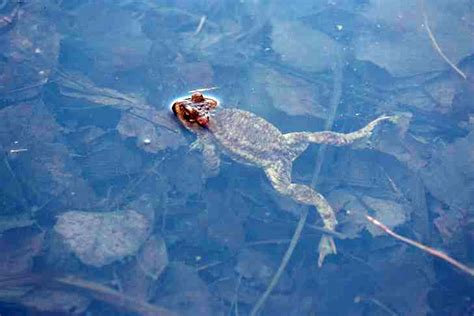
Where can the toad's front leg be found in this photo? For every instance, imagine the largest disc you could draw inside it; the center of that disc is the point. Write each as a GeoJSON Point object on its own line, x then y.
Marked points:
{"type": "Point", "coordinates": [279, 174]}
{"type": "Point", "coordinates": [212, 160]}
{"type": "Point", "coordinates": [211, 156]}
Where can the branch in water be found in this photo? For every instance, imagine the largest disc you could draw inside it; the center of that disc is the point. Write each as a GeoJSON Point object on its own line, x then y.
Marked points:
{"type": "Point", "coordinates": [437, 48]}
{"type": "Point", "coordinates": [96, 290]}
{"type": "Point", "coordinates": [418, 245]}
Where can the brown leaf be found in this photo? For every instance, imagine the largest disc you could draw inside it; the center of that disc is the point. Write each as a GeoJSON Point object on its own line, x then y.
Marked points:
{"type": "Point", "coordinates": [302, 47]}
{"type": "Point", "coordinates": [18, 247]}
{"type": "Point", "coordinates": [150, 137]}
{"type": "Point", "coordinates": [153, 257]}
{"type": "Point", "coordinates": [139, 275]}
{"type": "Point", "coordinates": [30, 50]}
{"type": "Point", "coordinates": [293, 95]}
{"type": "Point", "coordinates": [399, 41]}
{"type": "Point", "coordinates": [45, 167]}
{"type": "Point", "coordinates": [184, 291]}
{"type": "Point", "coordinates": [47, 300]}
{"type": "Point", "coordinates": [98, 239]}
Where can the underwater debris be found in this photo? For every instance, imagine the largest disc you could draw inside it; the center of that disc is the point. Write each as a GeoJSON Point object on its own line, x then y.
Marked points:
{"type": "Point", "coordinates": [115, 47]}
{"type": "Point", "coordinates": [98, 239]}
{"type": "Point", "coordinates": [224, 226]}
{"type": "Point", "coordinates": [281, 268]}
{"type": "Point", "coordinates": [204, 89]}
{"type": "Point", "coordinates": [397, 41]}
{"type": "Point", "coordinates": [303, 47]}
{"type": "Point", "coordinates": [113, 297]}
{"type": "Point", "coordinates": [354, 208]}
{"type": "Point", "coordinates": [184, 291]}
{"type": "Point", "coordinates": [305, 97]}
{"type": "Point", "coordinates": [138, 119]}
{"type": "Point", "coordinates": [12, 221]}
{"type": "Point", "coordinates": [9, 15]}
{"type": "Point", "coordinates": [46, 174]}
{"type": "Point", "coordinates": [436, 46]}
{"type": "Point", "coordinates": [138, 277]}
{"type": "Point", "coordinates": [429, 250]}
{"type": "Point", "coordinates": [359, 299]}
{"type": "Point", "coordinates": [200, 25]}
{"type": "Point", "coordinates": [30, 51]}
{"type": "Point", "coordinates": [391, 213]}
{"type": "Point", "coordinates": [18, 248]}
{"type": "Point", "coordinates": [52, 285]}
{"type": "Point", "coordinates": [110, 159]}
{"type": "Point", "coordinates": [153, 257]}
{"type": "Point", "coordinates": [57, 301]}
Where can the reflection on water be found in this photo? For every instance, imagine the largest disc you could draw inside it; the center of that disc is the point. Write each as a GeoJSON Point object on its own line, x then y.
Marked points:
{"type": "Point", "coordinates": [107, 205]}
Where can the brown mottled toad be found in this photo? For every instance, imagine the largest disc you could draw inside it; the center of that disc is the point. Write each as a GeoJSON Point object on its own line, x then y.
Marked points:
{"type": "Point", "coordinates": [251, 140]}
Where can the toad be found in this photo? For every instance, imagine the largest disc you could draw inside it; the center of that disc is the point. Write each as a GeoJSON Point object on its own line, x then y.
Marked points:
{"type": "Point", "coordinates": [250, 139]}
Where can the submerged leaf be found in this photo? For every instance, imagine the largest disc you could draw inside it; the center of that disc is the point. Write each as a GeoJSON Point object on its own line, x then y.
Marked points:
{"type": "Point", "coordinates": [293, 95]}
{"type": "Point", "coordinates": [153, 257]}
{"type": "Point", "coordinates": [303, 47]}
{"type": "Point", "coordinates": [18, 247]}
{"type": "Point", "coordinates": [388, 212]}
{"type": "Point", "coordinates": [354, 221]}
{"type": "Point", "coordinates": [46, 300]}
{"type": "Point", "coordinates": [98, 239]}
{"type": "Point", "coordinates": [401, 44]}
{"type": "Point", "coordinates": [149, 137]}
{"type": "Point", "coordinates": [184, 291]}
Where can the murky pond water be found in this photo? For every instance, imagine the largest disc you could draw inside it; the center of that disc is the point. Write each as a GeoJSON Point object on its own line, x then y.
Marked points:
{"type": "Point", "coordinates": [282, 200]}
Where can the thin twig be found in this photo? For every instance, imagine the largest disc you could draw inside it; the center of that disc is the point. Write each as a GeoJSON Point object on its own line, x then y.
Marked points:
{"type": "Point", "coordinates": [268, 242]}
{"type": "Point", "coordinates": [326, 231]}
{"type": "Point", "coordinates": [329, 232]}
{"type": "Point", "coordinates": [96, 290]}
{"type": "Point", "coordinates": [204, 89]}
{"type": "Point", "coordinates": [82, 88]}
{"type": "Point", "coordinates": [294, 241]}
{"type": "Point", "coordinates": [200, 25]}
{"type": "Point", "coordinates": [209, 265]}
{"type": "Point", "coordinates": [333, 105]}
{"type": "Point", "coordinates": [235, 300]}
{"type": "Point", "coordinates": [133, 186]}
{"type": "Point", "coordinates": [436, 46]}
{"type": "Point", "coordinates": [36, 85]}
{"type": "Point", "coordinates": [431, 251]}
{"type": "Point", "coordinates": [111, 296]}
{"type": "Point", "coordinates": [376, 302]}
{"type": "Point", "coordinates": [16, 183]}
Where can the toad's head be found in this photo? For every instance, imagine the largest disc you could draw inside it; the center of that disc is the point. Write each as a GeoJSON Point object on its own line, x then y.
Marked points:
{"type": "Point", "coordinates": [194, 111]}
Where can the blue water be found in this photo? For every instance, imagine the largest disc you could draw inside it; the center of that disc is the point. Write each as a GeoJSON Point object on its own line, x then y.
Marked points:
{"type": "Point", "coordinates": [105, 209]}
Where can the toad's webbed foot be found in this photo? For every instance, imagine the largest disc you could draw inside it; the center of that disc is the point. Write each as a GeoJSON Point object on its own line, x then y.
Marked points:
{"type": "Point", "coordinates": [279, 174]}
{"type": "Point", "coordinates": [326, 247]}
{"type": "Point", "coordinates": [299, 141]}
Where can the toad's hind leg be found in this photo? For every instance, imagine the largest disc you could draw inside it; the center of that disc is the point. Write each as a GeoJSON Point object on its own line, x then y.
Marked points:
{"type": "Point", "coordinates": [279, 174]}
{"type": "Point", "coordinates": [300, 140]}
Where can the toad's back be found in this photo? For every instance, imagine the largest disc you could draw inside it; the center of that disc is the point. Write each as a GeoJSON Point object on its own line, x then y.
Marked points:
{"type": "Point", "coordinates": [247, 137]}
